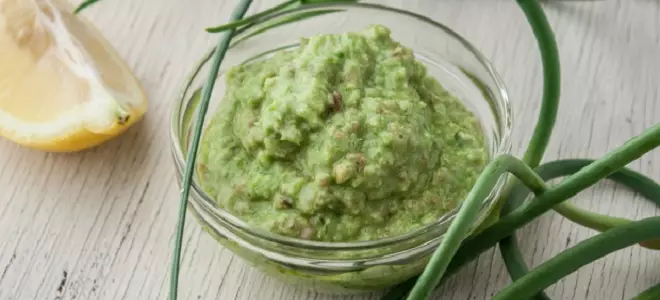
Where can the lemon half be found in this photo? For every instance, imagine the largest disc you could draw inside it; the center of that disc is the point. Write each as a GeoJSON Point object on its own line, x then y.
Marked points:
{"type": "Point", "coordinates": [62, 86]}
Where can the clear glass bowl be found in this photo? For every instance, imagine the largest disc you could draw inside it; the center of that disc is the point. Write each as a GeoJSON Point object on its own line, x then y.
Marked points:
{"type": "Point", "coordinates": [356, 266]}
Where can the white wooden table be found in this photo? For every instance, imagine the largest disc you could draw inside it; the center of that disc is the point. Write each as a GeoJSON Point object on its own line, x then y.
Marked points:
{"type": "Point", "coordinates": [99, 224]}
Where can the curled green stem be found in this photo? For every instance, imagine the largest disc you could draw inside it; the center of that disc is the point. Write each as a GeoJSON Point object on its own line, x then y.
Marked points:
{"type": "Point", "coordinates": [467, 215]}
{"type": "Point", "coordinates": [589, 175]}
{"type": "Point", "coordinates": [547, 116]}
{"type": "Point", "coordinates": [551, 81]}
{"type": "Point", "coordinates": [585, 177]}
{"type": "Point", "coordinates": [582, 254]}
{"type": "Point", "coordinates": [515, 263]}
{"type": "Point", "coordinates": [513, 259]}
{"type": "Point", "coordinates": [633, 180]}
{"type": "Point", "coordinates": [511, 255]}
{"type": "Point", "coordinates": [547, 45]}
{"type": "Point", "coordinates": [598, 221]}
{"type": "Point", "coordinates": [582, 179]}
{"type": "Point", "coordinates": [587, 218]}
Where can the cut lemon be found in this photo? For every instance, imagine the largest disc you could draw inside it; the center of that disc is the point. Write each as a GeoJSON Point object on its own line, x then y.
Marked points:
{"type": "Point", "coordinates": [62, 86]}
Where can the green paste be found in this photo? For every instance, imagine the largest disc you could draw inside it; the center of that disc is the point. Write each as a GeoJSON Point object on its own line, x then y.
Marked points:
{"type": "Point", "coordinates": [345, 138]}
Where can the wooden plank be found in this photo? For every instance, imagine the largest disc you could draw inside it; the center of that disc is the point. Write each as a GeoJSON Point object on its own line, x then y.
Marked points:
{"type": "Point", "coordinates": [99, 224]}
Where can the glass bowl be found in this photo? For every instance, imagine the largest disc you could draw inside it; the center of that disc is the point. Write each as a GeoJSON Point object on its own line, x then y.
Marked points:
{"type": "Point", "coordinates": [346, 267]}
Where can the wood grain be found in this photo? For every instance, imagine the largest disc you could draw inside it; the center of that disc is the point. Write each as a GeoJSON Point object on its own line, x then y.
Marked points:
{"type": "Point", "coordinates": [99, 224]}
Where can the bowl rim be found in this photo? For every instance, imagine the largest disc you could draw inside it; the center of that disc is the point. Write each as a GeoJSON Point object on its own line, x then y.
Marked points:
{"type": "Point", "coordinates": [503, 108]}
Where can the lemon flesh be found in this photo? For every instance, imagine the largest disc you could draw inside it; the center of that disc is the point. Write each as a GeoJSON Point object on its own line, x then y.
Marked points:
{"type": "Point", "coordinates": [62, 86]}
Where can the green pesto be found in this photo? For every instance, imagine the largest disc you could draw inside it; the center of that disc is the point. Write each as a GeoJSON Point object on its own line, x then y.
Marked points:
{"type": "Point", "coordinates": [345, 138]}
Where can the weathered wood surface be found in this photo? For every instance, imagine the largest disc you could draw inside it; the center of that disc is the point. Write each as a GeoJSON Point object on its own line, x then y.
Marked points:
{"type": "Point", "coordinates": [99, 224]}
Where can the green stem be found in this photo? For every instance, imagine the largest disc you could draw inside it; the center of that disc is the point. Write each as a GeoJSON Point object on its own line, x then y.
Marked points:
{"type": "Point", "coordinates": [592, 173]}
{"type": "Point", "coordinates": [467, 215]}
{"type": "Point", "coordinates": [286, 20]}
{"type": "Point", "coordinates": [86, 4]}
{"type": "Point", "coordinates": [560, 168]}
{"type": "Point", "coordinates": [582, 254]}
{"type": "Point", "coordinates": [641, 184]}
{"type": "Point", "coordinates": [602, 222]}
{"type": "Point", "coordinates": [550, 102]}
{"type": "Point", "coordinates": [551, 81]}
{"type": "Point", "coordinates": [513, 259]}
{"type": "Point", "coordinates": [589, 219]}
{"type": "Point", "coordinates": [515, 263]}
{"type": "Point", "coordinates": [276, 9]}
{"type": "Point", "coordinates": [547, 116]}
{"type": "Point", "coordinates": [508, 246]}
{"type": "Point", "coordinates": [207, 91]}
{"type": "Point", "coordinates": [547, 45]}
{"type": "Point", "coordinates": [252, 18]}
{"type": "Point", "coordinates": [582, 179]}
{"type": "Point", "coordinates": [585, 177]}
